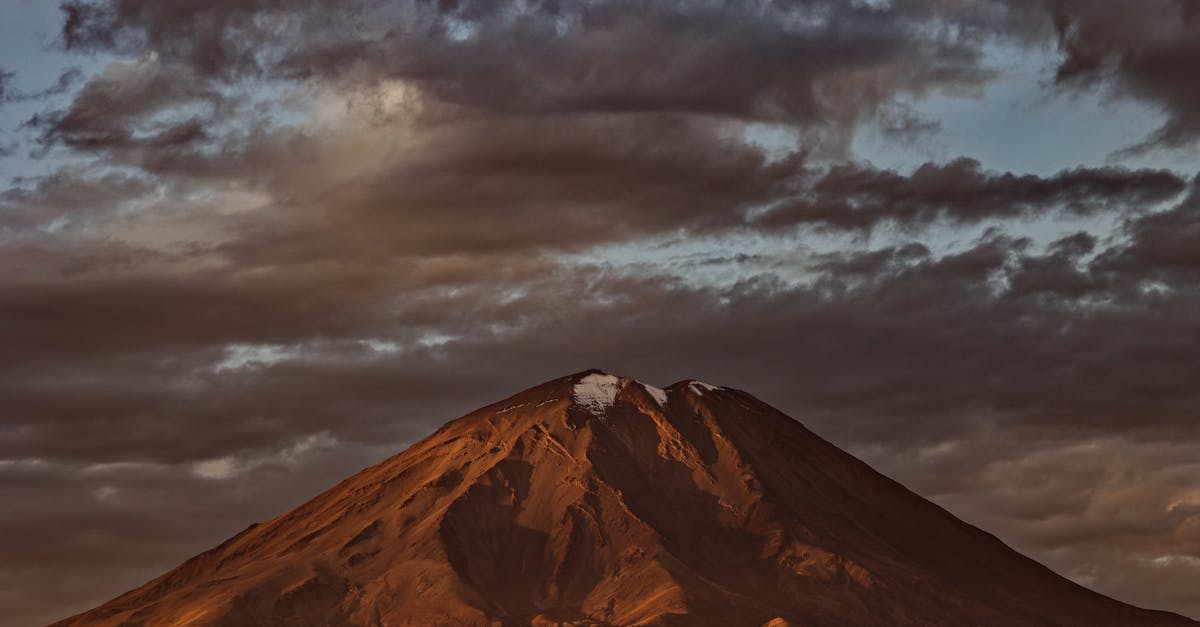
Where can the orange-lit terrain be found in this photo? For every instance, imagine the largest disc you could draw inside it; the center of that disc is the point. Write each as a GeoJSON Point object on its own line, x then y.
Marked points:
{"type": "Point", "coordinates": [597, 500]}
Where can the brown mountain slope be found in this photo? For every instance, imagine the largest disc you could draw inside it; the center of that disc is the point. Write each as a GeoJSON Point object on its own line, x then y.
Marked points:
{"type": "Point", "coordinates": [596, 500]}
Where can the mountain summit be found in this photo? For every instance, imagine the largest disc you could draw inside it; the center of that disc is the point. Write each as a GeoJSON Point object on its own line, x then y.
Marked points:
{"type": "Point", "coordinates": [598, 500]}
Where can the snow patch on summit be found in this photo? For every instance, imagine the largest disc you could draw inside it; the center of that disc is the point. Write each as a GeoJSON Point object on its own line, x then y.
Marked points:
{"type": "Point", "coordinates": [700, 387]}
{"type": "Point", "coordinates": [659, 394]}
{"type": "Point", "coordinates": [596, 392]}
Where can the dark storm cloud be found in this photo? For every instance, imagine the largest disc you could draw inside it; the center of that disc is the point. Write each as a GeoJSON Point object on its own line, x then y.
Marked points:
{"type": "Point", "coordinates": [1055, 328]}
{"type": "Point", "coordinates": [718, 60]}
{"type": "Point", "coordinates": [70, 195]}
{"type": "Point", "coordinates": [852, 196]}
{"type": "Point", "coordinates": [1147, 50]}
{"type": "Point", "coordinates": [562, 182]}
{"type": "Point", "coordinates": [802, 62]}
{"type": "Point", "coordinates": [693, 179]}
{"type": "Point", "coordinates": [554, 183]}
{"type": "Point", "coordinates": [843, 60]}
{"type": "Point", "coordinates": [509, 111]}
{"type": "Point", "coordinates": [1166, 245]}
{"type": "Point", "coordinates": [120, 108]}
{"type": "Point", "coordinates": [519, 184]}
{"type": "Point", "coordinates": [222, 37]}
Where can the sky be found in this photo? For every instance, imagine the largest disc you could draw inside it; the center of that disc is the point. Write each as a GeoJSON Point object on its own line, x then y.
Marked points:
{"type": "Point", "coordinates": [248, 247]}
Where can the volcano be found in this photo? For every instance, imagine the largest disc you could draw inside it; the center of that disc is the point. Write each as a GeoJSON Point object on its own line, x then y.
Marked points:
{"type": "Point", "coordinates": [598, 500]}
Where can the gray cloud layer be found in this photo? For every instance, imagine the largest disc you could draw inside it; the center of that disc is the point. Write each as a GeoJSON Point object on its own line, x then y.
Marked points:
{"type": "Point", "coordinates": [1135, 49]}
{"type": "Point", "coordinates": [289, 234]}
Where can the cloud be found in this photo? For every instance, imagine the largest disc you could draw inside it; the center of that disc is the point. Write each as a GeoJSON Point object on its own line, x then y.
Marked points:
{"type": "Point", "coordinates": [290, 239]}
{"type": "Point", "coordinates": [6, 77]}
{"type": "Point", "coordinates": [1132, 529]}
{"type": "Point", "coordinates": [120, 520]}
{"type": "Point", "coordinates": [66, 80]}
{"type": "Point", "coordinates": [70, 196]}
{"type": "Point", "coordinates": [1164, 245]}
{"type": "Point", "coordinates": [893, 350]}
{"type": "Point", "coordinates": [852, 196]}
{"type": "Point", "coordinates": [122, 107]}
{"type": "Point", "coordinates": [1151, 55]}
{"type": "Point", "coordinates": [706, 57]}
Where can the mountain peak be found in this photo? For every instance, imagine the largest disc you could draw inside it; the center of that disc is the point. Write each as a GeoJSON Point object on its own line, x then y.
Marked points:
{"type": "Point", "coordinates": [596, 391]}
{"type": "Point", "coordinates": [595, 499]}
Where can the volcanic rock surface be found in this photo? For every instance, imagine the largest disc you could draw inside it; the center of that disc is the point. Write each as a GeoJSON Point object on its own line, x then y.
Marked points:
{"type": "Point", "coordinates": [598, 500]}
